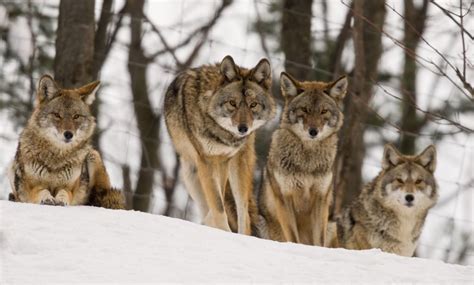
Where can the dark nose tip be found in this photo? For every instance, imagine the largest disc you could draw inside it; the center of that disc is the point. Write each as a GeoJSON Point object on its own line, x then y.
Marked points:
{"type": "Point", "coordinates": [313, 132]}
{"type": "Point", "coordinates": [68, 135]}
{"type": "Point", "coordinates": [242, 128]}
{"type": "Point", "coordinates": [409, 198]}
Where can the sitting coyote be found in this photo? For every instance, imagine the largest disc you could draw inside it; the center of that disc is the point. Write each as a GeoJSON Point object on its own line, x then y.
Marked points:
{"type": "Point", "coordinates": [390, 211]}
{"type": "Point", "coordinates": [54, 162]}
{"type": "Point", "coordinates": [296, 194]}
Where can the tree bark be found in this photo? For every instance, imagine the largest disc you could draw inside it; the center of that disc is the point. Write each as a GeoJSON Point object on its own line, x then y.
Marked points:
{"type": "Point", "coordinates": [414, 26]}
{"type": "Point", "coordinates": [147, 121]}
{"type": "Point", "coordinates": [369, 17]}
{"type": "Point", "coordinates": [75, 43]}
{"type": "Point", "coordinates": [296, 37]}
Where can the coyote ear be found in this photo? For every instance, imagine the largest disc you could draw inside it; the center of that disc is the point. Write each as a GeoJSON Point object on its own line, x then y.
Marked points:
{"type": "Point", "coordinates": [87, 92]}
{"type": "Point", "coordinates": [391, 156]}
{"type": "Point", "coordinates": [427, 158]}
{"type": "Point", "coordinates": [229, 69]}
{"type": "Point", "coordinates": [338, 88]}
{"type": "Point", "coordinates": [288, 85]}
{"type": "Point", "coordinates": [262, 71]}
{"type": "Point", "coordinates": [47, 88]}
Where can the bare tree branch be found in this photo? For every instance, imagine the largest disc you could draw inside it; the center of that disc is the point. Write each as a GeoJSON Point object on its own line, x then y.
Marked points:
{"type": "Point", "coordinates": [447, 13]}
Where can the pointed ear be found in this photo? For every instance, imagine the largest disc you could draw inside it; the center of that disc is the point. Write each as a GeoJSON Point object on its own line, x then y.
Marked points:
{"type": "Point", "coordinates": [427, 158]}
{"type": "Point", "coordinates": [391, 156]}
{"type": "Point", "coordinates": [47, 89]}
{"type": "Point", "coordinates": [262, 71]}
{"type": "Point", "coordinates": [87, 92]}
{"type": "Point", "coordinates": [338, 88]}
{"type": "Point", "coordinates": [229, 69]}
{"type": "Point", "coordinates": [288, 86]}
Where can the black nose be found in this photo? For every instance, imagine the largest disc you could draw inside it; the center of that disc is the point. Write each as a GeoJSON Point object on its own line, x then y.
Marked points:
{"type": "Point", "coordinates": [242, 128]}
{"type": "Point", "coordinates": [68, 135]}
{"type": "Point", "coordinates": [313, 132]}
{"type": "Point", "coordinates": [409, 198]}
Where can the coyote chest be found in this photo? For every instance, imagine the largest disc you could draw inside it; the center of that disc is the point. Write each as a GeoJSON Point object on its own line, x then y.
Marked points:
{"type": "Point", "coordinates": [211, 147]}
{"type": "Point", "coordinates": [403, 235]}
{"type": "Point", "coordinates": [303, 187]}
{"type": "Point", "coordinates": [64, 176]}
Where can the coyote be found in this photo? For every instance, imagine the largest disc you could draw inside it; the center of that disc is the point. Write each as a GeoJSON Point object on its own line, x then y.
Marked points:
{"type": "Point", "coordinates": [390, 211]}
{"type": "Point", "coordinates": [296, 192]}
{"type": "Point", "coordinates": [54, 162]}
{"type": "Point", "coordinates": [211, 113]}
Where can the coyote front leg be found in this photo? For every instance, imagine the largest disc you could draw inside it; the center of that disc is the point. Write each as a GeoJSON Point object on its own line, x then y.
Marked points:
{"type": "Point", "coordinates": [240, 178]}
{"type": "Point", "coordinates": [320, 218]}
{"type": "Point", "coordinates": [287, 221]}
{"type": "Point", "coordinates": [213, 192]}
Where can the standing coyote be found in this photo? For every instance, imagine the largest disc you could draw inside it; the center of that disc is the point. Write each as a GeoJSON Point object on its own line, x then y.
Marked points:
{"type": "Point", "coordinates": [211, 113]}
{"type": "Point", "coordinates": [54, 162]}
{"type": "Point", "coordinates": [296, 192]}
{"type": "Point", "coordinates": [390, 211]}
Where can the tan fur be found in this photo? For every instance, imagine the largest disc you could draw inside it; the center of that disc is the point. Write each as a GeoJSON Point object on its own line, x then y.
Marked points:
{"type": "Point", "coordinates": [206, 109]}
{"type": "Point", "coordinates": [296, 193]}
{"type": "Point", "coordinates": [49, 166]}
{"type": "Point", "coordinates": [381, 217]}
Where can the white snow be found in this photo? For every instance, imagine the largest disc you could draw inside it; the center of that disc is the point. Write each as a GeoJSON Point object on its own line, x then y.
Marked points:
{"type": "Point", "coordinates": [41, 244]}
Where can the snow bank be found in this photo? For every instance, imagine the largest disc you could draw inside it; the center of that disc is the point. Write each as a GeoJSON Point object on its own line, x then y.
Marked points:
{"type": "Point", "coordinates": [82, 244]}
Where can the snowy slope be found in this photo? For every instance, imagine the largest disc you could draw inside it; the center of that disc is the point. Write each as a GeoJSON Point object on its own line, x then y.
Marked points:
{"type": "Point", "coordinates": [83, 244]}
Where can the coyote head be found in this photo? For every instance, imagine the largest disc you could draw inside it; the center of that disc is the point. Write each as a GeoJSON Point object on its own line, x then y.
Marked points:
{"type": "Point", "coordinates": [312, 109]}
{"type": "Point", "coordinates": [63, 116]}
{"type": "Point", "coordinates": [243, 101]}
{"type": "Point", "coordinates": [407, 182]}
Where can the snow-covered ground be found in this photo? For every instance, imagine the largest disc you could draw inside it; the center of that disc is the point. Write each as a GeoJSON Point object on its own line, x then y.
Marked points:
{"type": "Point", "coordinates": [41, 244]}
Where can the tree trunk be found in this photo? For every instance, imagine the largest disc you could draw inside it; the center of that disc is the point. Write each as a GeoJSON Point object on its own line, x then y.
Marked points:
{"type": "Point", "coordinates": [368, 49]}
{"type": "Point", "coordinates": [148, 123]}
{"type": "Point", "coordinates": [296, 37]}
{"type": "Point", "coordinates": [75, 43]}
{"type": "Point", "coordinates": [414, 25]}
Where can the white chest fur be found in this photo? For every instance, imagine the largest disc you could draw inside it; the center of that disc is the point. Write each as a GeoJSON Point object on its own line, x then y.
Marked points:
{"type": "Point", "coordinates": [405, 235]}
{"type": "Point", "coordinates": [211, 148]}
{"type": "Point", "coordinates": [61, 177]}
{"type": "Point", "coordinates": [303, 184]}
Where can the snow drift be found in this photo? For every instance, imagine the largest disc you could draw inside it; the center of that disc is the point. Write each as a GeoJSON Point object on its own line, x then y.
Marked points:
{"type": "Point", "coordinates": [83, 244]}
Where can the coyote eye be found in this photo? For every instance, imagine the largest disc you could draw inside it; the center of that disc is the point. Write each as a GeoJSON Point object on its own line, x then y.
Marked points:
{"type": "Point", "coordinates": [253, 105]}
{"type": "Point", "coordinates": [304, 109]}
{"type": "Point", "coordinates": [57, 116]}
{"type": "Point", "coordinates": [399, 180]}
{"type": "Point", "coordinates": [418, 181]}
{"type": "Point", "coordinates": [232, 103]}
{"type": "Point", "coordinates": [324, 111]}
{"type": "Point", "coordinates": [76, 117]}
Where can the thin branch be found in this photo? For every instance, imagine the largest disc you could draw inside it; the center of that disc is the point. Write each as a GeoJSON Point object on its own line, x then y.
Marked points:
{"type": "Point", "coordinates": [203, 30]}
{"type": "Point", "coordinates": [408, 51]}
{"type": "Point", "coordinates": [447, 13]}
{"type": "Point", "coordinates": [258, 27]}
{"type": "Point", "coordinates": [168, 49]}
{"type": "Point", "coordinates": [205, 33]}
{"type": "Point", "coordinates": [462, 78]}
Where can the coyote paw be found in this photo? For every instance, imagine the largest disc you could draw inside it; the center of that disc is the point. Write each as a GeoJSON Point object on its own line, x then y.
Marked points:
{"type": "Point", "coordinates": [62, 198]}
{"type": "Point", "coordinates": [48, 201]}
{"type": "Point", "coordinates": [60, 203]}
